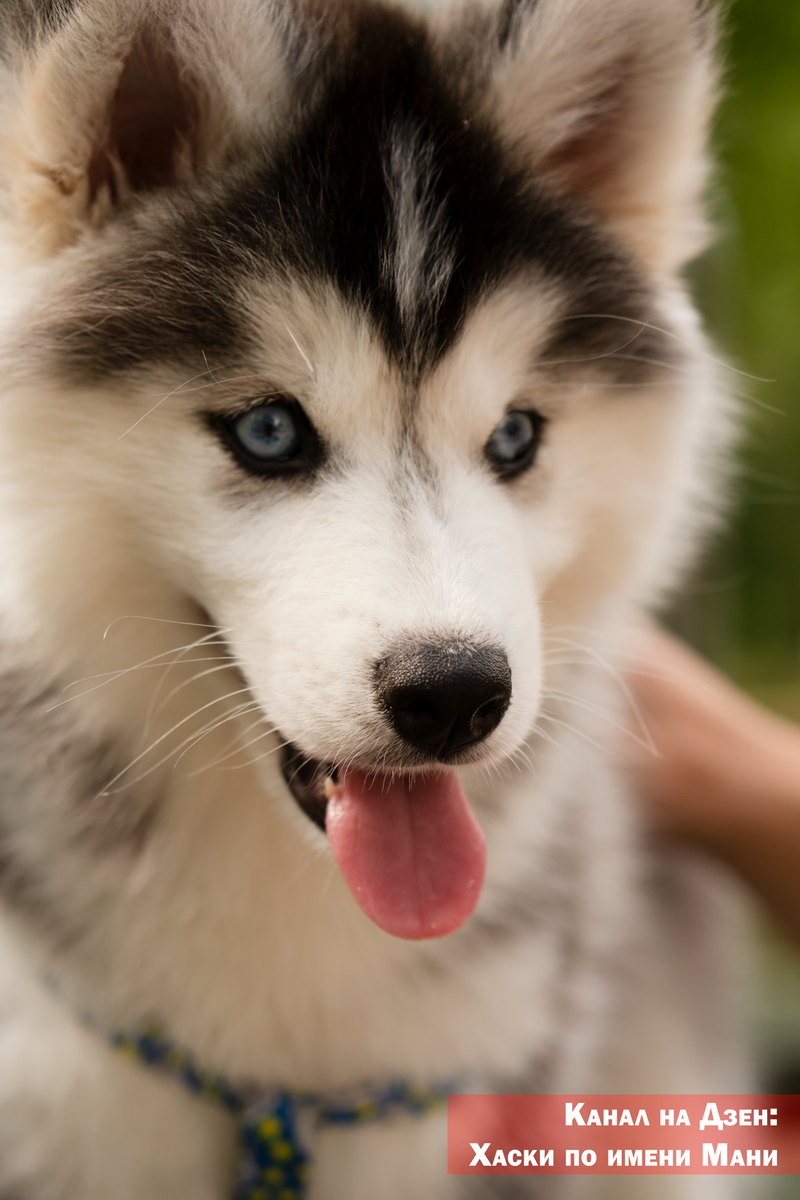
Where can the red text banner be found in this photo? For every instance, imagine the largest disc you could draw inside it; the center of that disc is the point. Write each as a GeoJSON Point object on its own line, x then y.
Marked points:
{"type": "Point", "coordinates": [623, 1135]}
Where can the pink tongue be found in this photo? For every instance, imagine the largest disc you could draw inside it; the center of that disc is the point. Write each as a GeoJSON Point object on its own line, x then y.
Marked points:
{"type": "Point", "coordinates": [410, 849]}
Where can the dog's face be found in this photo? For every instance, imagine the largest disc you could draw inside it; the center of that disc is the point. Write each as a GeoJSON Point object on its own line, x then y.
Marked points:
{"type": "Point", "coordinates": [364, 335]}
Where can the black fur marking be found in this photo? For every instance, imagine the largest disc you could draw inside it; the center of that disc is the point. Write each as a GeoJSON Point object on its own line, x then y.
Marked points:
{"type": "Point", "coordinates": [509, 19]}
{"type": "Point", "coordinates": [610, 328]}
{"type": "Point", "coordinates": [39, 740]}
{"type": "Point", "coordinates": [321, 207]}
{"type": "Point", "coordinates": [24, 892]}
{"type": "Point", "coordinates": [171, 299]}
{"type": "Point", "coordinates": [329, 206]}
{"type": "Point", "coordinates": [30, 21]}
{"type": "Point", "coordinates": [51, 802]}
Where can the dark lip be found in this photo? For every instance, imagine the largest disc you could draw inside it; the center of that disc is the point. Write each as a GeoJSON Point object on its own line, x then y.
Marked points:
{"type": "Point", "coordinates": [305, 778]}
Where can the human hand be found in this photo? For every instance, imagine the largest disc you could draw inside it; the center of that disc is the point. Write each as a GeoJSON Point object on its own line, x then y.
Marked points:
{"type": "Point", "coordinates": [723, 772]}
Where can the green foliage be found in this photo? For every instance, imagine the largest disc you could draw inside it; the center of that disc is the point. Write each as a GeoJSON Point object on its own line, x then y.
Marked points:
{"type": "Point", "coordinates": [750, 287]}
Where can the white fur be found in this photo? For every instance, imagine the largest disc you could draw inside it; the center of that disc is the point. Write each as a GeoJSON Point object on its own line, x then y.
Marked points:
{"type": "Point", "coordinates": [416, 223]}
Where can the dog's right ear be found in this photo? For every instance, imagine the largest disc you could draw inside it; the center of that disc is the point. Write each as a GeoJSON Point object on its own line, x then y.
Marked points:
{"type": "Point", "coordinates": [105, 98]}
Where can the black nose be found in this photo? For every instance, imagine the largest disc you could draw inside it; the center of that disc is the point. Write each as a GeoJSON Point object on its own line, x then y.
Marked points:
{"type": "Point", "coordinates": [443, 698]}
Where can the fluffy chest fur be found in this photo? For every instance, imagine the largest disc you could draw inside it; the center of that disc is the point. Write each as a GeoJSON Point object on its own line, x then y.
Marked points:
{"type": "Point", "coordinates": [352, 408]}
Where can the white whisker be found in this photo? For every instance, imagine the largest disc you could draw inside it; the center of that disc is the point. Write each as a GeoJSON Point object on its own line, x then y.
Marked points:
{"type": "Point", "coordinates": [152, 715]}
{"type": "Point", "coordinates": [581, 702]}
{"type": "Point", "coordinates": [240, 710]}
{"type": "Point", "coordinates": [718, 362]}
{"type": "Point", "coordinates": [575, 729]}
{"type": "Point", "coordinates": [300, 349]}
{"type": "Point", "coordinates": [190, 716]}
{"type": "Point", "coordinates": [107, 677]}
{"type": "Point", "coordinates": [183, 746]}
{"type": "Point", "coordinates": [593, 656]}
{"type": "Point", "coordinates": [238, 745]}
{"type": "Point", "coordinates": [160, 621]}
{"type": "Point", "coordinates": [252, 759]}
{"type": "Point", "coordinates": [161, 401]}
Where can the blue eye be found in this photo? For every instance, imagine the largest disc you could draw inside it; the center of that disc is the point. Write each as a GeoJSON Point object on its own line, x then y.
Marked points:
{"type": "Point", "coordinates": [514, 442]}
{"type": "Point", "coordinates": [272, 438]}
{"type": "Point", "coordinates": [268, 433]}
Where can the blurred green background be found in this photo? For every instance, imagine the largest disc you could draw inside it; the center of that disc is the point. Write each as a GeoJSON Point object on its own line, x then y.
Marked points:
{"type": "Point", "coordinates": [743, 608]}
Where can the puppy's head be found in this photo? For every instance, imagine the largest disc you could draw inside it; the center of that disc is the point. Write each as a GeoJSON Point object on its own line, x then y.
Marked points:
{"type": "Point", "coordinates": [366, 334]}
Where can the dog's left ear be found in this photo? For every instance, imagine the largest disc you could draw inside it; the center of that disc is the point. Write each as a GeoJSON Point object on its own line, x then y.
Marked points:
{"type": "Point", "coordinates": [107, 98]}
{"type": "Point", "coordinates": [610, 101]}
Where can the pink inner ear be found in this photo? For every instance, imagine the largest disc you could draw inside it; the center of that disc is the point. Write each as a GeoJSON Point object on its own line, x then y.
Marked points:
{"type": "Point", "coordinates": [153, 117]}
{"type": "Point", "coordinates": [589, 160]}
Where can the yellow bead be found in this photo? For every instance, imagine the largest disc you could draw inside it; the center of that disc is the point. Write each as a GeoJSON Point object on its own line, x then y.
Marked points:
{"type": "Point", "coordinates": [270, 1128]}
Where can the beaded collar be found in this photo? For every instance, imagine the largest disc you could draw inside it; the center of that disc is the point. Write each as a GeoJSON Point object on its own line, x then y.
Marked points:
{"type": "Point", "coordinates": [273, 1164]}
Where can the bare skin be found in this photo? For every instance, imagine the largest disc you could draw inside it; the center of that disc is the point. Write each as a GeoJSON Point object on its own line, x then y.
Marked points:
{"type": "Point", "coordinates": [727, 773]}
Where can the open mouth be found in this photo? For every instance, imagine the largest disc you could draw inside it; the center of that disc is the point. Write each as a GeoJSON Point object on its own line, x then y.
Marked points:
{"type": "Point", "coordinates": [409, 846]}
{"type": "Point", "coordinates": [310, 781]}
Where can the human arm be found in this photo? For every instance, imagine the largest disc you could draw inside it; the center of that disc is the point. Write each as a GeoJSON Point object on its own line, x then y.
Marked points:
{"type": "Point", "coordinates": [726, 775]}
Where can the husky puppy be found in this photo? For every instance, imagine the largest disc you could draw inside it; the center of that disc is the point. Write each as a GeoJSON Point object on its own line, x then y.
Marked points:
{"type": "Point", "coordinates": [352, 407]}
